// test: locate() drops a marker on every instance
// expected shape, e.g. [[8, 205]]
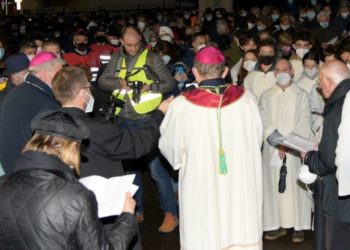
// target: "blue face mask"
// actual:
[[2, 53], [324, 24], [274, 17], [311, 15]]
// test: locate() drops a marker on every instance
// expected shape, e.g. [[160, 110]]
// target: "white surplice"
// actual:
[[316, 103], [285, 111], [257, 82], [342, 159], [216, 211], [297, 65]]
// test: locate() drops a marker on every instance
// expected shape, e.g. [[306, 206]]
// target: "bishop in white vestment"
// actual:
[[213, 135]]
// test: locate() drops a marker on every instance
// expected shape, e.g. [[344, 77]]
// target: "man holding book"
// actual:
[[335, 230]]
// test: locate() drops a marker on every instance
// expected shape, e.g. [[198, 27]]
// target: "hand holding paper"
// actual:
[[110, 193]]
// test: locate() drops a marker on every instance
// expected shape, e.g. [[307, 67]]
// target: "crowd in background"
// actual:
[[262, 46]]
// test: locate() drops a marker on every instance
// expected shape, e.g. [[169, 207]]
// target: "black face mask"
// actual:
[[81, 46], [101, 39], [267, 60]]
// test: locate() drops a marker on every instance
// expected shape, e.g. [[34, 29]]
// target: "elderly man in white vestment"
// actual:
[[284, 108], [213, 135]]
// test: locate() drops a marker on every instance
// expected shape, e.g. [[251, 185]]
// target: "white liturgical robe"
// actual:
[[217, 211], [257, 82], [285, 111]]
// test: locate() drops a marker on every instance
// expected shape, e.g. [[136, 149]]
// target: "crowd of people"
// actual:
[[202, 100]]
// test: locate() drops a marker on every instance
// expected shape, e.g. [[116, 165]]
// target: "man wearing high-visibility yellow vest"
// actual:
[[134, 64]]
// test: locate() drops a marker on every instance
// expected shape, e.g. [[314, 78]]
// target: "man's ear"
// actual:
[[81, 93], [196, 74], [224, 74]]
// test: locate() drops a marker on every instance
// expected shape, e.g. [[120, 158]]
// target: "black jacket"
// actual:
[[18, 110], [108, 144], [43, 206], [322, 162]]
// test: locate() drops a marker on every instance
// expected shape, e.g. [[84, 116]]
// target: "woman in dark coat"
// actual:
[[43, 205]]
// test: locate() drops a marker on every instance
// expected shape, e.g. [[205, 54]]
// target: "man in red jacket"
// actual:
[[82, 54]]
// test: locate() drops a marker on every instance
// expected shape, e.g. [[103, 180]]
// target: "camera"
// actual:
[[112, 103], [136, 87]]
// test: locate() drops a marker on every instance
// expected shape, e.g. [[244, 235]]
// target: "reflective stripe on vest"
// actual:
[[149, 101]]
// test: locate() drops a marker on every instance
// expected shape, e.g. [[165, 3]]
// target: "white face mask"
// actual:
[[344, 14], [153, 44], [201, 46], [283, 78], [114, 42], [166, 38], [311, 73], [301, 52], [285, 27], [166, 58], [249, 65], [30, 57], [141, 25], [260, 28], [90, 105], [209, 17], [251, 26]]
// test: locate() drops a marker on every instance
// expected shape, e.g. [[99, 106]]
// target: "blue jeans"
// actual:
[[158, 172], [161, 177]]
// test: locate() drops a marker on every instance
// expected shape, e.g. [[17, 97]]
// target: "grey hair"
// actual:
[[212, 70], [46, 66]]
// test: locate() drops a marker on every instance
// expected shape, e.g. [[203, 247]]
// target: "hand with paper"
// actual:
[[111, 194]]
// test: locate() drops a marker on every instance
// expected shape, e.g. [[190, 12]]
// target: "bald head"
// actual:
[[131, 39], [283, 63], [331, 74]]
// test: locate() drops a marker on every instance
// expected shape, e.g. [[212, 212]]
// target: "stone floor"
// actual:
[[153, 240]]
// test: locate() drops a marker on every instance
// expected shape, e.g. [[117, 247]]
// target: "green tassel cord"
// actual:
[[222, 156], [222, 162]]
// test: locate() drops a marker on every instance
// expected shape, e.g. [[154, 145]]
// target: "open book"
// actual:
[[110, 193], [297, 143]]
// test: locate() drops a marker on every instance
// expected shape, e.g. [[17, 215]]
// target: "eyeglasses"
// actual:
[[88, 87]]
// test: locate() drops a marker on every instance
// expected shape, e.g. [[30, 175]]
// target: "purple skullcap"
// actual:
[[210, 55], [42, 57]]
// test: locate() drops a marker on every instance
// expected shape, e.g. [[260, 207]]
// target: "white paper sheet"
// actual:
[[110, 193], [276, 160]]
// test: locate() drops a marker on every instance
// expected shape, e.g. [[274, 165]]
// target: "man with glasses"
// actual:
[[108, 144]]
